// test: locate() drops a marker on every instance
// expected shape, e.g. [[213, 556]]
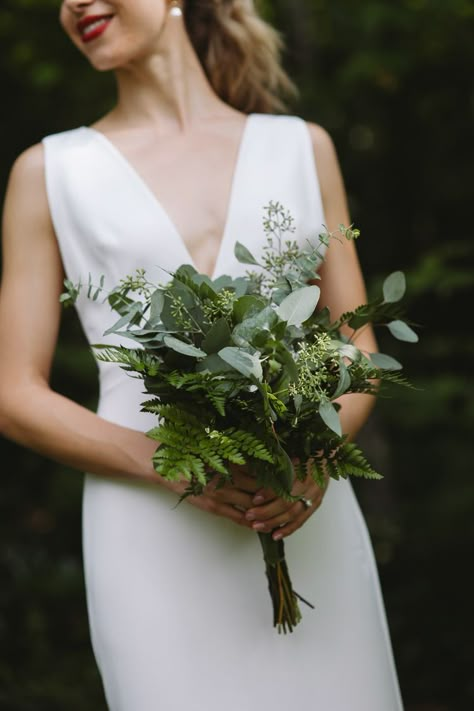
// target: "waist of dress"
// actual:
[[121, 398]]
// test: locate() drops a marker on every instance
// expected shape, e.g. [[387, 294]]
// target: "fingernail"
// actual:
[[258, 526], [258, 499], [250, 516], [277, 536]]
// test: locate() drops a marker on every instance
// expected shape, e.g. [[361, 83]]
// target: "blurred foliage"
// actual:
[[392, 83]]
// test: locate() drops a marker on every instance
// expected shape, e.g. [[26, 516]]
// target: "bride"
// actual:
[[176, 172]]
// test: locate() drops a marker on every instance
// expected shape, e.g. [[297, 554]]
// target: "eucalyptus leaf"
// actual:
[[214, 364], [240, 286], [344, 381], [385, 362], [186, 271], [203, 279], [206, 286], [246, 363], [185, 293], [279, 295], [179, 292], [401, 330], [151, 339], [217, 337], [134, 310], [347, 350], [299, 305], [308, 265], [285, 357], [250, 328], [247, 306], [295, 332], [119, 302], [207, 291], [330, 417], [167, 316], [239, 341], [243, 255], [223, 282], [279, 331], [394, 287], [184, 348], [282, 283], [157, 301]]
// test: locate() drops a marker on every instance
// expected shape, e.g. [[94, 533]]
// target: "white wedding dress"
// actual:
[[179, 608]]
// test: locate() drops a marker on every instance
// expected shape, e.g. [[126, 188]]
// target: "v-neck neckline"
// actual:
[[154, 199]]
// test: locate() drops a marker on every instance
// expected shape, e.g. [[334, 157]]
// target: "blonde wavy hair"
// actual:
[[240, 53]]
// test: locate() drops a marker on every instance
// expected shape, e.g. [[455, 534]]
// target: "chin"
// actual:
[[105, 65], [107, 61], [111, 59]]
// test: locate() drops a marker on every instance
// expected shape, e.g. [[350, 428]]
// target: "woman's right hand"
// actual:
[[230, 500]]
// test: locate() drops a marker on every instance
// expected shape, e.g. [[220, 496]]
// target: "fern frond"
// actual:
[[250, 444], [267, 479], [211, 385], [393, 377], [215, 462], [190, 445], [348, 460], [318, 473], [151, 406], [376, 312], [136, 360], [218, 400]]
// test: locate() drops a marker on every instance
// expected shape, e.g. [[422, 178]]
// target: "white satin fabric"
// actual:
[[179, 609]]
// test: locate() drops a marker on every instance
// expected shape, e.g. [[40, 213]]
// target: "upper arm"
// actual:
[[32, 276], [342, 283]]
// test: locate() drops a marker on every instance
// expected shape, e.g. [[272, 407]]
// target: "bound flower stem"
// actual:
[[286, 612]]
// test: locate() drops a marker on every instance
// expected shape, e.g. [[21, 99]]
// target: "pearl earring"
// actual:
[[175, 9]]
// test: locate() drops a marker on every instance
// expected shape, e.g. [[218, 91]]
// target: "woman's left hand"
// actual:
[[272, 513]]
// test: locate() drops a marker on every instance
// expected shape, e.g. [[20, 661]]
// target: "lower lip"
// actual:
[[88, 36]]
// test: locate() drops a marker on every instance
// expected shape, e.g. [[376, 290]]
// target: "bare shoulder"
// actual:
[[26, 219], [322, 141], [324, 149], [26, 196], [29, 167], [327, 163]]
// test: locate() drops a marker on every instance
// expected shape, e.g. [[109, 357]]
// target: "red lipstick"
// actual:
[[93, 26]]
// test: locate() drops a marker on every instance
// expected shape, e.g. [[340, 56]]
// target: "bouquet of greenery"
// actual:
[[246, 371]]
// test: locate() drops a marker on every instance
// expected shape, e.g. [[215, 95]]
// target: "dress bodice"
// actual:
[[108, 222]]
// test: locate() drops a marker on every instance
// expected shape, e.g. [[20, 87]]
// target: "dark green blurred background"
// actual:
[[392, 82]]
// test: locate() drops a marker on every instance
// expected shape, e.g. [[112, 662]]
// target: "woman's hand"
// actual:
[[230, 500], [269, 512], [246, 504]]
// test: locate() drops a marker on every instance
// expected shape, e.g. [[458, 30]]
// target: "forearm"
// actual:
[[355, 409], [54, 426]]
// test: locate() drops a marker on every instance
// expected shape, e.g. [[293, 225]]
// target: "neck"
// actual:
[[168, 89]]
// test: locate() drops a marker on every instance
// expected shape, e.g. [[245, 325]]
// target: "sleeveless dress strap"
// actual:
[[278, 166]]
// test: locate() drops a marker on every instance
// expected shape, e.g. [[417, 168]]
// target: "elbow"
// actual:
[[5, 424], [8, 411], [20, 408]]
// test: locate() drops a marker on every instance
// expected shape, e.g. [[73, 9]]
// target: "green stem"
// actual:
[[286, 612]]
